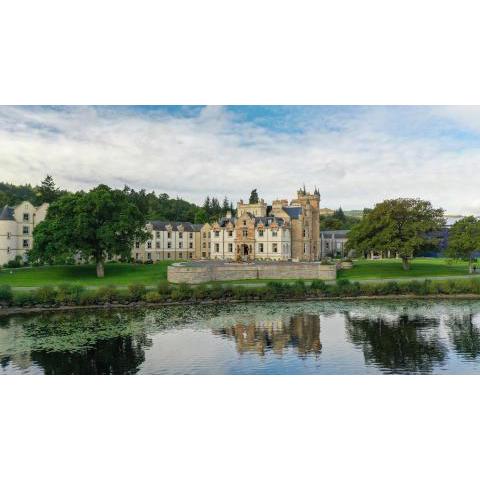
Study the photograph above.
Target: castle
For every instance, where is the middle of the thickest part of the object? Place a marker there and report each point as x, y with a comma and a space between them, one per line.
282, 231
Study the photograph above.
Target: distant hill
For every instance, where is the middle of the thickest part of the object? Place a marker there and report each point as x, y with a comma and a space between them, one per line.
354, 213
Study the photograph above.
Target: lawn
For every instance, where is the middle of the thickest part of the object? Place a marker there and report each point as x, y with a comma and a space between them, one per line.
115, 274
125, 274
420, 267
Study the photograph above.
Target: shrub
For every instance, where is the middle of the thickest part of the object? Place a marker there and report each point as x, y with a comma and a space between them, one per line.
69, 294
153, 297
164, 290
6, 294
182, 292
318, 285
200, 292
45, 295
136, 292
23, 299
107, 294
299, 289
216, 291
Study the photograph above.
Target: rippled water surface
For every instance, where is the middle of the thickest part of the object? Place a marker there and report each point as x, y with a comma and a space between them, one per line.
273, 338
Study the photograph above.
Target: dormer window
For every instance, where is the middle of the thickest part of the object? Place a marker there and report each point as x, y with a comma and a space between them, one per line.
244, 223
260, 233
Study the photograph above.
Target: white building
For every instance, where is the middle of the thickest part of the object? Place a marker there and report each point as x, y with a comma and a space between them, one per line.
16, 229
169, 241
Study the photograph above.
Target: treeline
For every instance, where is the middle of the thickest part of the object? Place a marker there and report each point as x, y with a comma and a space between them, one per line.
338, 221
152, 205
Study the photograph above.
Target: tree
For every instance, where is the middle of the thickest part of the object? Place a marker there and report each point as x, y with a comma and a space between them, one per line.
97, 224
400, 226
253, 196
201, 216
464, 240
47, 192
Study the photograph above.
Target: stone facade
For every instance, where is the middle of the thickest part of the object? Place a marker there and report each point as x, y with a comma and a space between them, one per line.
199, 272
282, 231
333, 243
169, 241
16, 229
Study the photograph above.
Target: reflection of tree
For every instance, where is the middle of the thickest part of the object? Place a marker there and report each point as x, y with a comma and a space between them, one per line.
84, 342
301, 331
405, 345
120, 355
465, 336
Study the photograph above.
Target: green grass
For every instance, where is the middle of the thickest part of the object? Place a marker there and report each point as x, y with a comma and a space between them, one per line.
420, 267
115, 274
125, 274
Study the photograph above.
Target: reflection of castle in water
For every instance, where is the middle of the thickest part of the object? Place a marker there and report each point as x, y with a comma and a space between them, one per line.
301, 331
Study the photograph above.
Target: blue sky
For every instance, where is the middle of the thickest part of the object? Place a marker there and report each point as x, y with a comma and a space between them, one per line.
356, 155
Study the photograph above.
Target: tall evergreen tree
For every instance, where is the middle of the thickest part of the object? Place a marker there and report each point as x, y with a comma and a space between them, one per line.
253, 196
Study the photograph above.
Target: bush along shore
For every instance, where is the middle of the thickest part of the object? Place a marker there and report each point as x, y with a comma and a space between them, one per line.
71, 296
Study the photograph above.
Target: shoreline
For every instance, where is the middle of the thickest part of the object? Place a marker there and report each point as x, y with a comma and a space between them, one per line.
6, 311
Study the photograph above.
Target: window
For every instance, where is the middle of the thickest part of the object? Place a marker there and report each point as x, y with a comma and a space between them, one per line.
304, 248
180, 234
260, 247
190, 235
180, 245
217, 233
169, 245
149, 244
8, 235
8, 249
230, 247
157, 233
157, 245
304, 233
26, 230
25, 244
190, 245
217, 248
274, 233
180, 255
190, 255
245, 232
230, 233
274, 248
204, 235
168, 254
136, 256
260, 233
204, 245
169, 235
204, 254
149, 256
26, 217
137, 244
244, 223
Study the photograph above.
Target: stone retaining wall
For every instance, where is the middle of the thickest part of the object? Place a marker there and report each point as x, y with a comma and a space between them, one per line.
200, 272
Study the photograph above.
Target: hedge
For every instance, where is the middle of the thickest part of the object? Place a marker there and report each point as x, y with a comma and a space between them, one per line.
76, 295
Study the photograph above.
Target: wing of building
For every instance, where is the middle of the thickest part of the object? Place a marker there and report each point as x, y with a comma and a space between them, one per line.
16, 229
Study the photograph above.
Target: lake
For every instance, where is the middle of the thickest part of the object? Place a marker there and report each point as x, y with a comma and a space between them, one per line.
327, 337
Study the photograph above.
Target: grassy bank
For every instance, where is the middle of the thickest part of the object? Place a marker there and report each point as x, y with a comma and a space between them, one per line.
77, 295
152, 274
392, 269
115, 274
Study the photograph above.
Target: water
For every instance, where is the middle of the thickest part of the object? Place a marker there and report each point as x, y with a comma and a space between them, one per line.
361, 337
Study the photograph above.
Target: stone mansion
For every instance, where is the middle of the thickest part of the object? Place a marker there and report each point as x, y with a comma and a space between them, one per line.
281, 231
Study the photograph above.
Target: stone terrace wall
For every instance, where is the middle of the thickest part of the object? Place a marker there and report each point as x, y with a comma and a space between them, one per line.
200, 272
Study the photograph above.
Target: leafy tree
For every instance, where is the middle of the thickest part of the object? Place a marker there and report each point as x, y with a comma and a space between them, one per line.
253, 196
201, 216
464, 240
97, 224
400, 225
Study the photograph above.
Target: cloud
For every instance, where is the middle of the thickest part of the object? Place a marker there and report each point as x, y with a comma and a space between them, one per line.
356, 155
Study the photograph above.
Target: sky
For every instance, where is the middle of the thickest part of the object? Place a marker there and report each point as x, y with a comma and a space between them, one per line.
356, 155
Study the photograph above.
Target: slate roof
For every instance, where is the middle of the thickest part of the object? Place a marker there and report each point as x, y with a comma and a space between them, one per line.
337, 233
6, 213
160, 225
293, 211
269, 220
